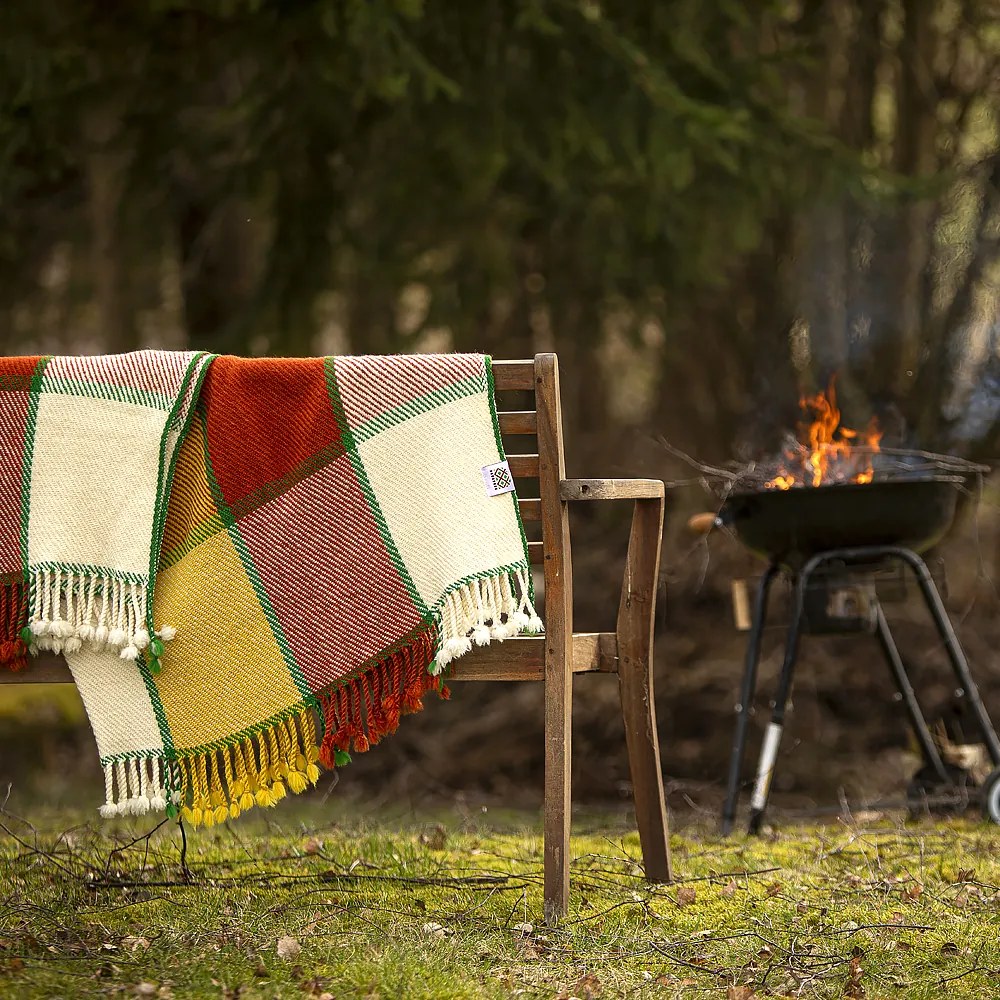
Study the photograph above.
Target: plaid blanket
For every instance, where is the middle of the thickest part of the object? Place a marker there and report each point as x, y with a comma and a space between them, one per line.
87, 447
339, 530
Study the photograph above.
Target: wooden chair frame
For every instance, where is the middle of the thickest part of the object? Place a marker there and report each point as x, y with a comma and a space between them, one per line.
561, 653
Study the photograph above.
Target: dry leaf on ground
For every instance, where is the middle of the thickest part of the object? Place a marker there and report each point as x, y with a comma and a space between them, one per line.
853, 989
436, 839
436, 930
589, 987
288, 948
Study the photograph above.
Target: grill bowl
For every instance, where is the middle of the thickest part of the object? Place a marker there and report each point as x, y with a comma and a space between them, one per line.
790, 526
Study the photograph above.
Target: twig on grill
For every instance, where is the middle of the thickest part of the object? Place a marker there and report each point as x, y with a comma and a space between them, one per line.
938, 461
889, 463
708, 470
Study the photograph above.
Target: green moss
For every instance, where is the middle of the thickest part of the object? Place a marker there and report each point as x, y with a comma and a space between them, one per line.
48, 701
439, 907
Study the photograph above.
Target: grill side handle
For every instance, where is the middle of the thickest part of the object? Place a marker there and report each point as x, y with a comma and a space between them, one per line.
702, 524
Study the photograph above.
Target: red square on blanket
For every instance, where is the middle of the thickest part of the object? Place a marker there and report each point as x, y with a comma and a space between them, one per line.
15, 385
345, 602
271, 418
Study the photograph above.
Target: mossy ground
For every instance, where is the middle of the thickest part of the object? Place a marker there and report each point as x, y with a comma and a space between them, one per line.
448, 905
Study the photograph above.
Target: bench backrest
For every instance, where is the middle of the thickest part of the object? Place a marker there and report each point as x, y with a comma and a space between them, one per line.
537, 474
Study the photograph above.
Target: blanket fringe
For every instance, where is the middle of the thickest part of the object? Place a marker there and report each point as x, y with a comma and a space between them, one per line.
70, 609
221, 783
259, 770
13, 618
483, 609
358, 713
135, 786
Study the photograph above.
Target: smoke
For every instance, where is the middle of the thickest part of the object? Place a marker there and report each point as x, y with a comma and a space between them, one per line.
977, 421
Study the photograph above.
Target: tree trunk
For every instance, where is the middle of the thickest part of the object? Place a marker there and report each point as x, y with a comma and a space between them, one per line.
215, 242
106, 163
905, 245
821, 239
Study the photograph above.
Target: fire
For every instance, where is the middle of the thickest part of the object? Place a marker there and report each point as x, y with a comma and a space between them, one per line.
827, 452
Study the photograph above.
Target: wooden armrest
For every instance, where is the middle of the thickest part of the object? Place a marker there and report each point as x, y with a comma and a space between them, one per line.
610, 489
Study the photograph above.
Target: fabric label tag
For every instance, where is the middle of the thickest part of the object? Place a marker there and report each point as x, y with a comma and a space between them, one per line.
498, 479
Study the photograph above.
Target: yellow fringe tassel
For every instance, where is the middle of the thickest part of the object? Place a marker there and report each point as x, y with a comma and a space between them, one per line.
219, 785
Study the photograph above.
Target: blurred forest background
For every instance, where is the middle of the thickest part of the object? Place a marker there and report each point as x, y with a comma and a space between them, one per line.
704, 208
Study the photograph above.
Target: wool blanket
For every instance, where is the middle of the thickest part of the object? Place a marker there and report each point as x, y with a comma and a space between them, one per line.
87, 449
339, 530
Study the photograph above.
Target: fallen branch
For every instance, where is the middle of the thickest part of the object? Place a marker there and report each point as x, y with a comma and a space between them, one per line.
717, 973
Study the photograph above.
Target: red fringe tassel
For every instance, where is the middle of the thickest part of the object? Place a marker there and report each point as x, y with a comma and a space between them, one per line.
13, 618
364, 709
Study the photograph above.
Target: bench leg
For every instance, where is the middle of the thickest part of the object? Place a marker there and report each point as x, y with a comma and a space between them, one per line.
558, 733
639, 714
635, 681
558, 569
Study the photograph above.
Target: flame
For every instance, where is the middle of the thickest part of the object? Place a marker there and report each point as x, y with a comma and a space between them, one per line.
826, 452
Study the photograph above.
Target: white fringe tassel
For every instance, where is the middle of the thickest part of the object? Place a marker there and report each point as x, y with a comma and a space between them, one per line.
483, 610
134, 787
70, 610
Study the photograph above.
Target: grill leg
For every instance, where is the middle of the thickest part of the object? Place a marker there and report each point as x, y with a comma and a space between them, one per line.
927, 748
772, 738
746, 699
958, 661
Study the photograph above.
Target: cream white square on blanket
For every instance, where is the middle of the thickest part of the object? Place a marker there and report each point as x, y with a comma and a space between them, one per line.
102, 436
93, 484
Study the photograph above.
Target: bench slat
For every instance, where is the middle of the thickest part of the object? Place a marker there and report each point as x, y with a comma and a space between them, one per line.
48, 669
513, 375
519, 422
523, 659
531, 510
520, 659
525, 466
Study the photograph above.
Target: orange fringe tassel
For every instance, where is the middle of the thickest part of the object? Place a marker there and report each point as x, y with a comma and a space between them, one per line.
364, 709
13, 618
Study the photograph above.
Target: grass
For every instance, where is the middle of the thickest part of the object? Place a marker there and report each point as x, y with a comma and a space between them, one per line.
449, 906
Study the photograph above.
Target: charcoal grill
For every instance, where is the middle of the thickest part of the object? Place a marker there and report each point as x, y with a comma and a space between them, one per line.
832, 541
789, 526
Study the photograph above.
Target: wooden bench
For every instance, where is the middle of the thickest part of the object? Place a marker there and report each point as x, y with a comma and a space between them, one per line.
555, 658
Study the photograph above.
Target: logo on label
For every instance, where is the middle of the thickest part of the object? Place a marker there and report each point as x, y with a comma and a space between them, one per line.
498, 479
